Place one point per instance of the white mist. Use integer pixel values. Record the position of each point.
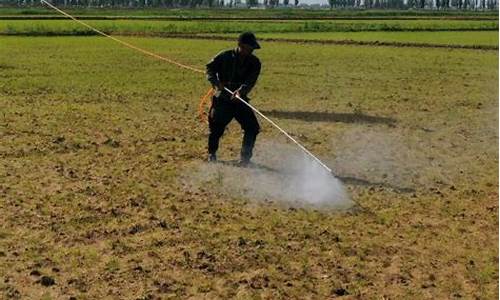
(282, 174)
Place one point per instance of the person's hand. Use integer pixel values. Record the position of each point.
(218, 89)
(236, 94)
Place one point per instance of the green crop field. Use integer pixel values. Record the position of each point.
(68, 27)
(105, 192)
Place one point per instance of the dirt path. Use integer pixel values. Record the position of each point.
(280, 40)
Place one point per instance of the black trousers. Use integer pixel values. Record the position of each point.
(221, 113)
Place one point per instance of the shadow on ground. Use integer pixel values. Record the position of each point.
(330, 117)
(348, 180)
(363, 182)
(252, 165)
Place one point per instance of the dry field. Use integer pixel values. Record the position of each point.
(105, 194)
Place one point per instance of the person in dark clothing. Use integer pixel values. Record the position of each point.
(238, 70)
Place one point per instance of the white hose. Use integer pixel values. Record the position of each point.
(281, 130)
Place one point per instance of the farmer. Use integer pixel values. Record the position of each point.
(237, 70)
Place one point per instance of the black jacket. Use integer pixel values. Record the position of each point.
(233, 71)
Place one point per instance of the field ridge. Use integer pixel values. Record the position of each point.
(349, 42)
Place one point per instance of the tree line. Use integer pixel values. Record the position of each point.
(150, 3)
(416, 4)
(341, 4)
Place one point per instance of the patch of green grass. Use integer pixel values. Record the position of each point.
(112, 266)
(46, 296)
(69, 27)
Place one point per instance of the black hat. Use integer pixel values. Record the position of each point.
(248, 38)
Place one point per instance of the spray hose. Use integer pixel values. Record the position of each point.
(202, 113)
(204, 99)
